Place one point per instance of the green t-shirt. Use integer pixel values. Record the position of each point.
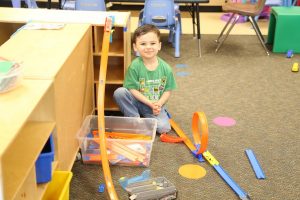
(151, 84)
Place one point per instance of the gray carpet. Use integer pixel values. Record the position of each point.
(259, 92)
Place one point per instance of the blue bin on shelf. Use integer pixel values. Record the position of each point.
(43, 165)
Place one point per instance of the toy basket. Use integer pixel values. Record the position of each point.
(129, 140)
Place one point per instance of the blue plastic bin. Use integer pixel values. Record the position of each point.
(43, 165)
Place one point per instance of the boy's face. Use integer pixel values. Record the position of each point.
(147, 45)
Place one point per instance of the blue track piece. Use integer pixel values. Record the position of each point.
(126, 181)
(255, 164)
(235, 187)
(199, 156)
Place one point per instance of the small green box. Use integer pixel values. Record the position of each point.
(284, 29)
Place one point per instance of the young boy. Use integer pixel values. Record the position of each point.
(148, 82)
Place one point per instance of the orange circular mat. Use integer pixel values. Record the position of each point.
(192, 171)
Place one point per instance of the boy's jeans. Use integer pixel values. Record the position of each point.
(131, 107)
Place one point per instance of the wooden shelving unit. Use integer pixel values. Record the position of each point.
(58, 91)
(23, 133)
(30, 113)
(118, 61)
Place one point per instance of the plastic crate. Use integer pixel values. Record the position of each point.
(132, 150)
(59, 187)
(43, 165)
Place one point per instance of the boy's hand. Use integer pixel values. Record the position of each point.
(156, 108)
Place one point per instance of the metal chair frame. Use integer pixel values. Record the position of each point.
(249, 10)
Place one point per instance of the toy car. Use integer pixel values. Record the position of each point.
(295, 67)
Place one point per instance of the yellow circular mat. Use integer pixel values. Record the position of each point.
(192, 171)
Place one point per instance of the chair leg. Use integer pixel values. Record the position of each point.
(177, 40)
(227, 33)
(221, 34)
(140, 18)
(179, 19)
(16, 3)
(258, 33)
(170, 38)
(31, 4)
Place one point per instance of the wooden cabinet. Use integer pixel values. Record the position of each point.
(27, 119)
(61, 68)
(120, 48)
(63, 59)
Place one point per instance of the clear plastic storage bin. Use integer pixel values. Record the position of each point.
(10, 77)
(129, 140)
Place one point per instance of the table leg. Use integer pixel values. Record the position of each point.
(193, 18)
(198, 29)
(49, 4)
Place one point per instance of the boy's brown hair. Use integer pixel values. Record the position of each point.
(144, 29)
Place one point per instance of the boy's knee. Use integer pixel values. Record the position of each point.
(120, 93)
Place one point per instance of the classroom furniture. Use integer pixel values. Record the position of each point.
(92, 5)
(284, 29)
(163, 15)
(119, 52)
(63, 57)
(195, 12)
(27, 119)
(250, 10)
(58, 88)
(30, 3)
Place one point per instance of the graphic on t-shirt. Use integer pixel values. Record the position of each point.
(152, 89)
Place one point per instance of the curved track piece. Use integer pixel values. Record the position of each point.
(198, 116)
(100, 104)
(203, 141)
(170, 139)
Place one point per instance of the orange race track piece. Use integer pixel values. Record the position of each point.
(100, 104)
(120, 135)
(170, 139)
(198, 116)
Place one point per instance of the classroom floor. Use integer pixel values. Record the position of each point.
(259, 92)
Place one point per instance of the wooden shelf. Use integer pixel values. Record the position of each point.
(109, 102)
(58, 62)
(41, 188)
(118, 60)
(28, 144)
(115, 49)
(115, 70)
